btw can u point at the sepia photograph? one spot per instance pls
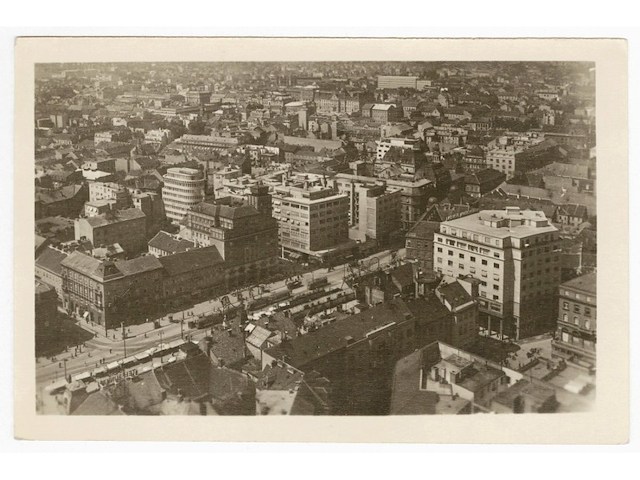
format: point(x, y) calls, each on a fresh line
point(340, 238)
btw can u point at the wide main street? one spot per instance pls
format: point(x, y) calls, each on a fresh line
point(103, 349)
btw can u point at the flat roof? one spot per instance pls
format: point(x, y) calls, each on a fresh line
point(474, 223)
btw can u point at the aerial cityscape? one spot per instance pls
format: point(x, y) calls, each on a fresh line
point(315, 238)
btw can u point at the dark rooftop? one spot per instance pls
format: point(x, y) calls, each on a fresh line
point(330, 338)
point(586, 283)
point(168, 243)
point(191, 260)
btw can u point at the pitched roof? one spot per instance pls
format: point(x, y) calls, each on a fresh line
point(191, 260)
point(304, 349)
point(97, 403)
point(455, 294)
point(168, 243)
point(587, 283)
point(60, 194)
point(50, 259)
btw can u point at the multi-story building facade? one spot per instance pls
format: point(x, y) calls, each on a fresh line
point(515, 256)
point(575, 339)
point(413, 198)
point(385, 144)
point(385, 112)
point(481, 182)
point(419, 239)
point(311, 219)
point(517, 158)
point(244, 232)
point(374, 211)
point(127, 227)
point(183, 189)
point(99, 191)
point(110, 293)
point(392, 82)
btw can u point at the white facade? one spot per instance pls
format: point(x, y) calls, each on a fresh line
point(183, 188)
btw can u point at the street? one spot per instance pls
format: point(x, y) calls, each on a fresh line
point(105, 349)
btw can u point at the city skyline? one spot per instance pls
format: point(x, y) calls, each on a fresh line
point(315, 238)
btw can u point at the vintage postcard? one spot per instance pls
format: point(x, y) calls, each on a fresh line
point(321, 239)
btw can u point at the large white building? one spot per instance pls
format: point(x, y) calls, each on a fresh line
point(384, 145)
point(183, 188)
point(396, 81)
point(515, 255)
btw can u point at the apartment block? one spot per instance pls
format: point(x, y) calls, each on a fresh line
point(515, 255)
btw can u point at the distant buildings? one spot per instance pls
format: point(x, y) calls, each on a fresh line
point(396, 81)
point(515, 256)
point(183, 189)
point(482, 182)
point(520, 157)
point(575, 339)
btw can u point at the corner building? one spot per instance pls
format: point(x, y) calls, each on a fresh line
point(575, 339)
point(515, 255)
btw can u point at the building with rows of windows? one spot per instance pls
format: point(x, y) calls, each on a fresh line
point(311, 219)
point(576, 334)
point(515, 256)
point(183, 189)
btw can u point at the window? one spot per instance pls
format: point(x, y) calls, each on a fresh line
point(587, 311)
point(461, 255)
point(439, 260)
point(496, 287)
point(496, 254)
point(565, 317)
point(450, 263)
point(576, 309)
point(439, 250)
point(450, 252)
point(496, 265)
point(461, 266)
point(587, 324)
point(484, 262)
point(576, 320)
point(473, 259)
point(565, 305)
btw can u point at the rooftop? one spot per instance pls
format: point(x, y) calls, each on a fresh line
point(109, 218)
point(191, 260)
point(50, 259)
point(307, 348)
point(511, 222)
point(168, 243)
point(586, 283)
